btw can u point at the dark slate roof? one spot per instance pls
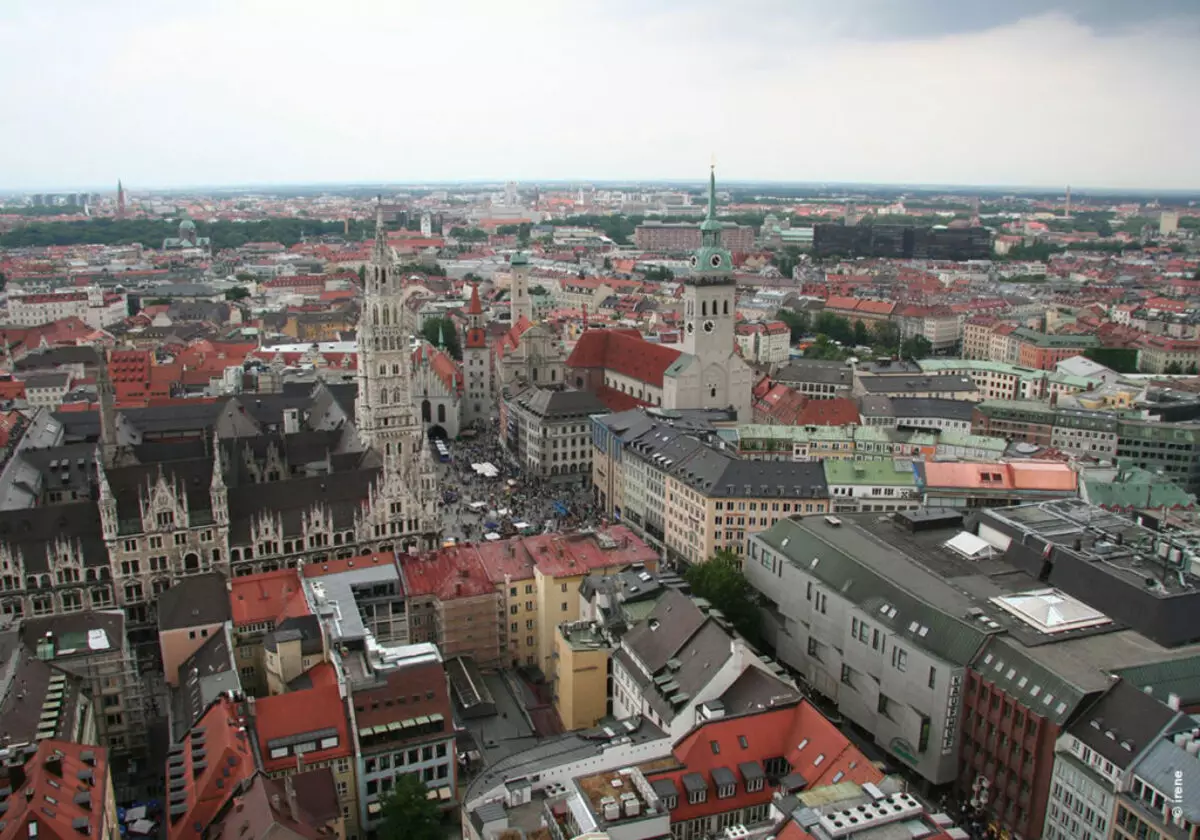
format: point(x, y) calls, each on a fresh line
point(72, 628)
point(934, 407)
point(876, 406)
point(810, 370)
point(33, 530)
point(715, 473)
point(55, 356)
point(24, 683)
point(1180, 677)
point(1123, 722)
point(756, 690)
point(694, 782)
point(195, 600)
point(916, 384)
point(342, 492)
point(202, 676)
point(66, 460)
point(305, 628)
point(555, 403)
point(130, 484)
point(723, 776)
point(848, 560)
point(665, 787)
point(668, 627)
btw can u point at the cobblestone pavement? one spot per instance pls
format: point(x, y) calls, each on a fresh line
point(531, 503)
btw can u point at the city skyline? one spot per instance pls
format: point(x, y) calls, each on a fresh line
point(254, 93)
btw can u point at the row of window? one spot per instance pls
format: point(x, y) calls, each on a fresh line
point(416, 755)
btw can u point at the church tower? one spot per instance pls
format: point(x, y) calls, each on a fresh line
point(710, 291)
point(520, 302)
point(385, 416)
point(476, 364)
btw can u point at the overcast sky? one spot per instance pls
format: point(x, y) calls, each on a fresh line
point(209, 92)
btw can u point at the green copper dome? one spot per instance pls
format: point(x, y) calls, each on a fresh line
point(187, 224)
point(519, 258)
point(711, 257)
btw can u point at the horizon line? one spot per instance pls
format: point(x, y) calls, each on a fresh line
point(701, 183)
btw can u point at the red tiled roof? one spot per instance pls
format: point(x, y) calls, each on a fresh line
point(624, 352)
point(267, 597)
point(505, 560)
point(1012, 475)
point(447, 574)
point(840, 411)
point(43, 807)
point(615, 400)
point(229, 761)
point(816, 749)
point(415, 684)
point(302, 712)
point(577, 554)
point(333, 567)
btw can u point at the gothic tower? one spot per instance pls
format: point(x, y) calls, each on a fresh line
point(518, 294)
point(476, 364)
point(385, 416)
point(710, 291)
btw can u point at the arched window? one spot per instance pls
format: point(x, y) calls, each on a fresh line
point(383, 370)
point(426, 411)
point(398, 398)
point(383, 396)
point(191, 562)
point(726, 312)
point(375, 315)
point(235, 555)
point(553, 374)
point(387, 316)
point(441, 412)
point(703, 307)
point(712, 392)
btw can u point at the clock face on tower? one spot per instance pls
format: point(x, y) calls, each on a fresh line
point(709, 326)
point(691, 327)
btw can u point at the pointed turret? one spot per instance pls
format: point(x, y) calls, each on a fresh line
point(441, 342)
point(381, 253)
point(711, 258)
point(474, 307)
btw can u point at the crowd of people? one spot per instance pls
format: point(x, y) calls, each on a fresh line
point(508, 500)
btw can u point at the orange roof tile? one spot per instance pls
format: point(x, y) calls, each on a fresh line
point(44, 806)
point(624, 352)
point(267, 597)
point(299, 713)
point(228, 760)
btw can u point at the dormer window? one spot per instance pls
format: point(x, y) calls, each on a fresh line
point(698, 796)
point(754, 785)
point(726, 791)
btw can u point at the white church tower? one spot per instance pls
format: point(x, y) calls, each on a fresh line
point(520, 303)
point(385, 417)
point(710, 374)
point(477, 364)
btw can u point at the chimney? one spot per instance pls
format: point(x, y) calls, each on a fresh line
point(293, 805)
point(1173, 701)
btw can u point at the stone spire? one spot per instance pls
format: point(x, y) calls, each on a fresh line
point(441, 342)
point(381, 253)
point(108, 413)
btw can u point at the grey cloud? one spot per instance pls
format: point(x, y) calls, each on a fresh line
point(887, 19)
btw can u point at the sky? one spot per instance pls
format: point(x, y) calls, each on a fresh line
point(1094, 93)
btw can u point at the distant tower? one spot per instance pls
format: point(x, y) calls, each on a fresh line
point(709, 293)
point(1067, 213)
point(510, 194)
point(521, 305)
point(120, 200)
point(477, 368)
point(426, 225)
point(975, 211)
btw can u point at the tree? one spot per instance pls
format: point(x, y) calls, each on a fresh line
point(916, 347)
point(834, 326)
point(1173, 368)
point(1191, 369)
point(245, 277)
point(237, 293)
point(659, 273)
point(798, 322)
point(362, 275)
point(723, 584)
point(468, 234)
point(408, 813)
point(862, 336)
point(887, 336)
point(437, 330)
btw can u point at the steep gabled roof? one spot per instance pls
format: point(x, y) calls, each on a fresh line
point(624, 352)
